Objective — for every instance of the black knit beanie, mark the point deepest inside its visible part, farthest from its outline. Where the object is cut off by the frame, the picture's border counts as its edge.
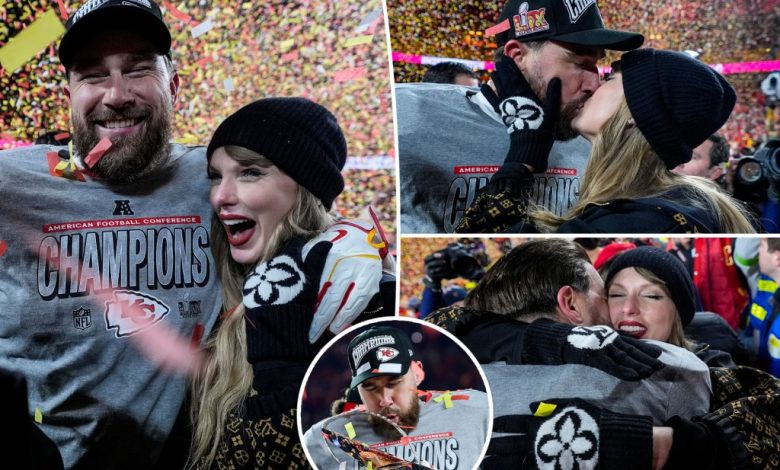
(299, 136)
(667, 268)
(677, 101)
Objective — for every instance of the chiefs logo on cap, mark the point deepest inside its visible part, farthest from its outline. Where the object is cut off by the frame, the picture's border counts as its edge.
(384, 354)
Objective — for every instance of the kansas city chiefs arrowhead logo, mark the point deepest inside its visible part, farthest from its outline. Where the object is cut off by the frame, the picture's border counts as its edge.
(384, 354)
(130, 312)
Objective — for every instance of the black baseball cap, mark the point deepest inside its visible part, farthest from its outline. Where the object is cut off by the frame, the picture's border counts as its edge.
(571, 21)
(139, 16)
(378, 351)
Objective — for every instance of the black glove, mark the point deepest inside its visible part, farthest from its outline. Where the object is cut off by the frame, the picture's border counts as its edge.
(570, 434)
(624, 357)
(530, 123)
(437, 267)
(280, 296)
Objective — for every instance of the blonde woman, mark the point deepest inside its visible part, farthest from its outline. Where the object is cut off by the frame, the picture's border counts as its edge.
(645, 120)
(275, 169)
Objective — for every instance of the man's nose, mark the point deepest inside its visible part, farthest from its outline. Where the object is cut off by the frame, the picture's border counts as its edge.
(386, 398)
(118, 93)
(591, 82)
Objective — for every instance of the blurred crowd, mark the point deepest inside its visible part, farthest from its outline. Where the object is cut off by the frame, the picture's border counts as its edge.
(253, 49)
(719, 31)
(413, 269)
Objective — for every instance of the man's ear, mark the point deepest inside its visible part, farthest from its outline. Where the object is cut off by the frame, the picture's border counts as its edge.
(715, 172)
(567, 306)
(518, 52)
(174, 84)
(419, 373)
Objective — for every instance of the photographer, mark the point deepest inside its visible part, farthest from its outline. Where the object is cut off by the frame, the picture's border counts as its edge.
(461, 259)
(755, 179)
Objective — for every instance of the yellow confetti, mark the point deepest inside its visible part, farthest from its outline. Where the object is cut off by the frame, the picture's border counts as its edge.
(286, 44)
(350, 430)
(358, 40)
(38, 415)
(446, 397)
(545, 409)
(30, 41)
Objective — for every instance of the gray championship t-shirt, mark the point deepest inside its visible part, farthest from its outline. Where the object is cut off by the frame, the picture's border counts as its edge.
(146, 249)
(444, 439)
(682, 388)
(450, 142)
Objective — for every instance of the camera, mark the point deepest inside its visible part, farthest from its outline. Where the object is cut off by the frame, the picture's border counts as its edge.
(755, 174)
(462, 262)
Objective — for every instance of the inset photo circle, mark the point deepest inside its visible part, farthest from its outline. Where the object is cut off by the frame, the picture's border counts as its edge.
(395, 393)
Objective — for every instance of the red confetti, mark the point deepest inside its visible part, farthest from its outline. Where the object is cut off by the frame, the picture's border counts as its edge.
(3, 247)
(197, 335)
(290, 56)
(499, 28)
(61, 136)
(53, 160)
(176, 13)
(349, 74)
(63, 10)
(97, 152)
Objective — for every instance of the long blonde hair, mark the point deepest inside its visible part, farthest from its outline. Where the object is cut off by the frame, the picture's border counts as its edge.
(623, 165)
(227, 377)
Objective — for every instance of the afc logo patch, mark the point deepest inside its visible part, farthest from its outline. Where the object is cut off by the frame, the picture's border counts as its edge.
(384, 353)
(82, 318)
(122, 207)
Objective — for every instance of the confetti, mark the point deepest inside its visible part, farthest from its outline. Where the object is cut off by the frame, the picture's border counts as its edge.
(544, 409)
(286, 44)
(197, 335)
(3, 247)
(350, 430)
(25, 45)
(293, 55)
(176, 13)
(349, 74)
(499, 28)
(38, 415)
(202, 28)
(227, 84)
(446, 397)
(97, 152)
(63, 11)
(358, 40)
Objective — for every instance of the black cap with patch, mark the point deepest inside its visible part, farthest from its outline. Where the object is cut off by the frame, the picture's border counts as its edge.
(378, 351)
(95, 16)
(571, 21)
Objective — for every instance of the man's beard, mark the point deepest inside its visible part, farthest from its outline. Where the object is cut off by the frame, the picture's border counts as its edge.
(406, 420)
(131, 157)
(562, 130)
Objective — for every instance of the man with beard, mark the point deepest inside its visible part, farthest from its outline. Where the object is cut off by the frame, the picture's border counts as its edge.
(451, 139)
(387, 378)
(536, 324)
(101, 249)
